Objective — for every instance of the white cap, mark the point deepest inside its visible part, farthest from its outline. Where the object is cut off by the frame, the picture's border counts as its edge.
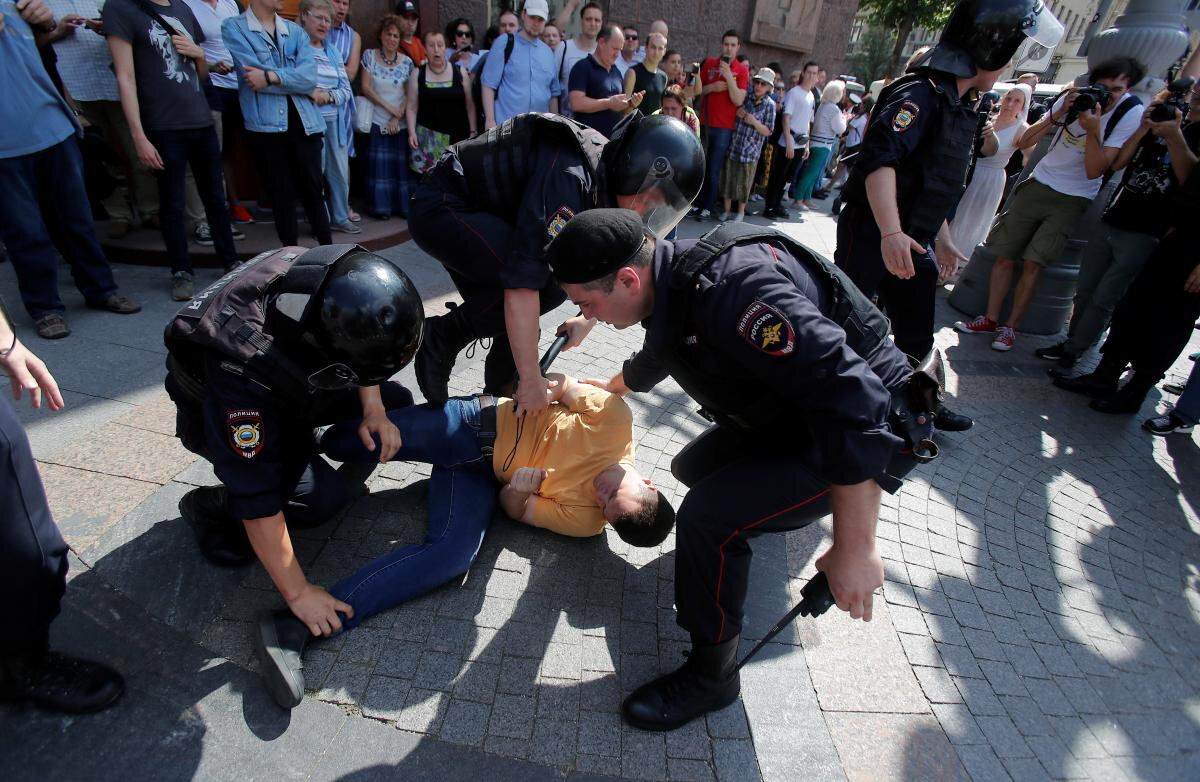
(537, 8)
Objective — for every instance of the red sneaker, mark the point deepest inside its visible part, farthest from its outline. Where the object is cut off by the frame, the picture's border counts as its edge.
(981, 325)
(240, 214)
(1005, 337)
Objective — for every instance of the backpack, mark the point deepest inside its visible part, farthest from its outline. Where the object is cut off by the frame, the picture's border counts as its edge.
(477, 82)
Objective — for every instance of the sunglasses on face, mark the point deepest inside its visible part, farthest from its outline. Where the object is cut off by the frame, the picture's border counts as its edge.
(464, 34)
(631, 37)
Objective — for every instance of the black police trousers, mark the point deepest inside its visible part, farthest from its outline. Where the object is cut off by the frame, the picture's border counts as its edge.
(33, 555)
(741, 484)
(473, 245)
(1153, 323)
(908, 303)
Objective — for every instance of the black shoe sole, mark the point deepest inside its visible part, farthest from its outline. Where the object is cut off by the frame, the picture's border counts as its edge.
(662, 727)
(285, 685)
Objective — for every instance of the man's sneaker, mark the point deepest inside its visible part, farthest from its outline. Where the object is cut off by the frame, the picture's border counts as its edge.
(950, 421)
(1005, 337)
(237, 233)
(739, 218)
(703, 215)
(1052, 352)
(346, 228)
(202, 234)
(724, 218)
(980, 325)
(182, 286)
(280, 645)
(116, 302)
(755, 198)
(52, 326)
(1167, 424)
(240, 214)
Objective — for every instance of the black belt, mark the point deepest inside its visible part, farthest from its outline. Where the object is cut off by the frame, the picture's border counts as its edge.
(487, 424)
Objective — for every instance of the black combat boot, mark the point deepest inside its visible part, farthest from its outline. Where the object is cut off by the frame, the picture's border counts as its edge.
(1126, 401)
(220, 535)
(442, 338)
(59, 682)
(1099, 383)
(709, 680)
(280, 645)
(946, 420)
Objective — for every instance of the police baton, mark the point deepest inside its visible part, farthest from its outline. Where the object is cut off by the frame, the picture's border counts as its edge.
(555, 348)
(816, 601)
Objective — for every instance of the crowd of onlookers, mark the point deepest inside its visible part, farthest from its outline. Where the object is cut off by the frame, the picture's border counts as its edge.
(175, 94)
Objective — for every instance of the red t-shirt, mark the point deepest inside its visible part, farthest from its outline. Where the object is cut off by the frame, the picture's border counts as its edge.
(414, 49)
(716, 109)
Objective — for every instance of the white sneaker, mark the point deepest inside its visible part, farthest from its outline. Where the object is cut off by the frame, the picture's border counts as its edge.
(755, 198)
(738, 218)
(724, 218)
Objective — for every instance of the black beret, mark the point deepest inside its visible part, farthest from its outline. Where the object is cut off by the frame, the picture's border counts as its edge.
(595, 243)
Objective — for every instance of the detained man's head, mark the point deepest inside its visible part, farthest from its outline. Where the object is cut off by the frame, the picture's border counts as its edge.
(637, 511)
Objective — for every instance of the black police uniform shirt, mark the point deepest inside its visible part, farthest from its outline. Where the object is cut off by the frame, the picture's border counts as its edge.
(554, 186)
(759, 333)
(257, 445)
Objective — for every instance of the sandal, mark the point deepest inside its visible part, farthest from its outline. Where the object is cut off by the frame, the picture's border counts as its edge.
(52, 326)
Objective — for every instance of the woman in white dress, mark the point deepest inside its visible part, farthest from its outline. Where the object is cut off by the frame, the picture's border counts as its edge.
(977, 209)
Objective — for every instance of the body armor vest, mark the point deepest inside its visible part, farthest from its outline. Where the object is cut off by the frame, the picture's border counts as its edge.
(716, 383)
(496, 164)
(229, 318)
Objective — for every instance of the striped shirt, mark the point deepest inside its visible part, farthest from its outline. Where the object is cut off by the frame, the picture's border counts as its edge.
(327, 79)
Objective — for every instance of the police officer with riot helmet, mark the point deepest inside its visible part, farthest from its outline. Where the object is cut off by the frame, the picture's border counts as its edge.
(912, 165)
(492, 203)
(812, 405)
(288, 341)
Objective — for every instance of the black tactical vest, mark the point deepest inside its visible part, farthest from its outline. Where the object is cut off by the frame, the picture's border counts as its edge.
(496, 164)
(717, 384)
(229, 319)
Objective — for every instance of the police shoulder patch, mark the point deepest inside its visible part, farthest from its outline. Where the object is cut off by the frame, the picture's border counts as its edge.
(767, 329)
(558, 221)
(906, 116)
(245, 432)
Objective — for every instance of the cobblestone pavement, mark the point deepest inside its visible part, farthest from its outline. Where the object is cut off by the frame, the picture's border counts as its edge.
(1039, 618)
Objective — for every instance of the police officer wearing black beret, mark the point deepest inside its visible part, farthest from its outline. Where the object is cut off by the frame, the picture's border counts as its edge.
(912, 166)
(488, 208)
(291, 340)
(795, 368)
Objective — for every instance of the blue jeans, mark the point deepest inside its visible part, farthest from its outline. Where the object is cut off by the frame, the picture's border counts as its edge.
(1187, 407)
(336, 166)
(463, 495)
(716, 147)
(199, 149)
(42, 196)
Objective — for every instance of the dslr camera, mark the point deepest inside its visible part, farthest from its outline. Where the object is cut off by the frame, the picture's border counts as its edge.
(1175, 103)
(1088, 98)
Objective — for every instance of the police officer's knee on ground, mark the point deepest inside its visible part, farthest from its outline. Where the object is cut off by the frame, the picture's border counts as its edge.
(911, 168)
(489, 207)
(795, 367)
(255, 362)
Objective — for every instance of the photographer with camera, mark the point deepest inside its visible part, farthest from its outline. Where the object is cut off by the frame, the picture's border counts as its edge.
(1156, 158)
(1092, 124)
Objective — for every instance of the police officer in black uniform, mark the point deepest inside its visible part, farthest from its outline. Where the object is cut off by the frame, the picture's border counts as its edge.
(809, 397)
(259, 359)
(33, 561)
(912, 165)
(489, 207)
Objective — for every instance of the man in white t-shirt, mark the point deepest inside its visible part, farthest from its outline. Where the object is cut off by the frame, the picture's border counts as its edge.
(591, 17)
(798, 108)
(1044, 209)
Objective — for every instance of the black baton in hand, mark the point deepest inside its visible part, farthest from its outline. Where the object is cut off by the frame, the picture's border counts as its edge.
(555, 348)
(816, 601)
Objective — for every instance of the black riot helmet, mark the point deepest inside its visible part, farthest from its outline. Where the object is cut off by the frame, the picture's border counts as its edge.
(987, 34)
(350, 316)
(658, 154)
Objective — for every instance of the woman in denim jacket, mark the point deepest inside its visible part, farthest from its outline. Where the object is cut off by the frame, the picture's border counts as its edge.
(276, 76)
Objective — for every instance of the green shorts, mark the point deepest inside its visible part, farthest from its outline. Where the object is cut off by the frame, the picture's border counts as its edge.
(1036, 224)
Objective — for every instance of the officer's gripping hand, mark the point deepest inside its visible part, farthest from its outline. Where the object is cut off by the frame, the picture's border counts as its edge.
(576, 328)
(854, 574)
(897, 249)
(29, 372)
(528, 479)
(614, 385)
(533, 394)
(378, 423)
(319, 610)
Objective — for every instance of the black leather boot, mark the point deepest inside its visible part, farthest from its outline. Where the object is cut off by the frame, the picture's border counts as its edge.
(1093, 384)
(220, 535)
(442, 338)
(946, 420)
(280, 644)
(709, 680)
(1126, 401)
(59, 682)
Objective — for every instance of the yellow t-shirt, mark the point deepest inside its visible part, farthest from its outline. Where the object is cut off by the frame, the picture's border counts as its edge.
(574, 444)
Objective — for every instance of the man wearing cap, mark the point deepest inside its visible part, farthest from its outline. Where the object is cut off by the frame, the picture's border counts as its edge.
(744, 321)
(524, 80)
(410, 42)
(912, 165)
